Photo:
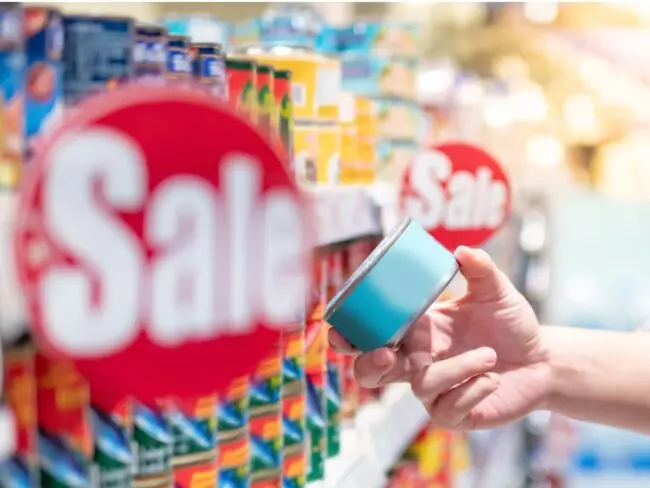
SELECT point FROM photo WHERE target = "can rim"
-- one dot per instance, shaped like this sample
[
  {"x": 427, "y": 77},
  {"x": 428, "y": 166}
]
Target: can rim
[{"x": 366, "y": 266}]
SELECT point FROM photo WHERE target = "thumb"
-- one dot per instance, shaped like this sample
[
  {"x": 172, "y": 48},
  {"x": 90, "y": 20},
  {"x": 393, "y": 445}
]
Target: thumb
[{"x": 485, "y": 282}]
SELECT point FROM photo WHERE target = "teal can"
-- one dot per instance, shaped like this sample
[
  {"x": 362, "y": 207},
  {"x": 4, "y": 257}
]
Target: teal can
[{"x": 392, "y": 288}]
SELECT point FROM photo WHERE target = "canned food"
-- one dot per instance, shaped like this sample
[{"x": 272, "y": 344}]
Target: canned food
[
  {"x": 234, "y": 435},
  {"x": 150, "y": 52},
  {"x": 12, "y": 89},
  {"x": 242, "y": 86},
  {"x": 315, "y": 369},
  {"x": 19, "y": 394},
  {"x": 284, "y": 107},
  {"x": 152, "y": 440},
  {"x": 392, "y": 289},
  {"x": 266, "y": 422},
  {"x": 265, "y": 101},
  {"x": 65, "y": 444},
  {"x": 179, "y": 66},
  {"x": 209, "y": 68},
  {"x": 194, "y": 429},
  {"x": 112, "y": 431},
  {"x": 293, "y": 407},
  {"x": 44, "y": 83},
  {"x": 97, "y": 54}
]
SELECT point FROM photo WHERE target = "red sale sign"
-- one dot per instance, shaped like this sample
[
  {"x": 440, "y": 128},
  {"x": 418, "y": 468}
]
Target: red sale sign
[
  {"x": 162, "y": 246},
  {"x": 457, "y": 192}
]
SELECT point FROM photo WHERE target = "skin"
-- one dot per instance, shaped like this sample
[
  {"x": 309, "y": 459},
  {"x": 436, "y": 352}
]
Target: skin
[{"x": 482, "y": 360}]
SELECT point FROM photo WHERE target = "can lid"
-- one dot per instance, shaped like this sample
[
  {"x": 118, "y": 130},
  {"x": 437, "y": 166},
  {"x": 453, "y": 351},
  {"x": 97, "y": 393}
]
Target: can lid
[
  {"x": 264, "y": 69},
  {"x": 176, "y": 38},
  {"x": 283, "y": 74},
  {"x": 240, "y": 63}
]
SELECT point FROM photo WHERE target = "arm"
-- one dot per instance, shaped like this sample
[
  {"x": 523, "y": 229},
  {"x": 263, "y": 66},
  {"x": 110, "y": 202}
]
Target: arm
[{"x": 600, "y": 376}]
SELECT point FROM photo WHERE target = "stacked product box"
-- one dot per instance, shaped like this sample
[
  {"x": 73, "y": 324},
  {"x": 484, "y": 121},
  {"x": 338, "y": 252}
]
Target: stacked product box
[{"x": 379, "y": 60}]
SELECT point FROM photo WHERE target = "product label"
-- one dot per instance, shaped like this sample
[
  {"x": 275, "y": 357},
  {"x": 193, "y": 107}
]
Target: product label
[
  {"x": 194, "y": 428},
  {"x": 333, "y": 396},
  {"x": 316, "y": 341},
  {"x": 242, "y": 90},
  {"x": 265, "y": 103},
  {"x": 44, "y": 46},
  {"x": 234, "y": 435},
  {"x": 150, "y": 55},
  {"x": 96, "y": 54},
  {"x": 12, "y": 89},
  {"x": 266, "y": 450},
  {"x": 202, "y": 475},
  {"x": 65, "y": 437},
  {"x": 112, "y": 431},
  {"x": 152, "y": 438}
]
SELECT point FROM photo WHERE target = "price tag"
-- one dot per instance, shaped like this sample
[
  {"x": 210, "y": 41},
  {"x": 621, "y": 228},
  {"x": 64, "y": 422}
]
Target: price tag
[
  {"x": 161, "y": 245},
  {"x": 459, "y": 193}
]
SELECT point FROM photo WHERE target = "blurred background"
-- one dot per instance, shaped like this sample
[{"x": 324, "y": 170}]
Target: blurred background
[{"x": 560, "y": 94}]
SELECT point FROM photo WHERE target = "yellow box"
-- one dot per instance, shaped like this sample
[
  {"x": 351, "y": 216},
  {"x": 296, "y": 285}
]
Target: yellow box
[
  {"x": 315, "y": 83},
  {"x": 349, "y": 161},
  {"x": 317, "y": 148}
]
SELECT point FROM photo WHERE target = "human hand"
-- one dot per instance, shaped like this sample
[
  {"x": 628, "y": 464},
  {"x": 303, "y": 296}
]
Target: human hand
[{"x": 477, "y": 361}]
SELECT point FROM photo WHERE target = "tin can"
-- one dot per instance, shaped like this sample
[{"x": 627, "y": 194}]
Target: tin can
[
  {"x": 12, "y": 89},
  {"x": 294, "y": 407},
  {"x": 179, "y": 66},
  {"x": 266, "y": 422},
  {"x": 333, "y": 390},
  {"x": 209, "y": 68},
  {"x": 315, "y": 83},
  {"x": 242, "y": 86},
  {"x": 394, "y": 287},
  {"x": 152, "y": 447},
  {"x": 194, "y": 427},
  {"x": 19, "y": 393},
  {"x": 284, "y": 107},
  {"x": 265, "y": 100},
  {"x": 315, "y": 369},
  {"x": 65, "y": 444},
  {"x": 150, "y": 52},
  {"x": 234, "y": 435},
  {"x": 112, "y": 432},
  {"x": 97, "y": 54},
  {"x": 44, "y": 82}
]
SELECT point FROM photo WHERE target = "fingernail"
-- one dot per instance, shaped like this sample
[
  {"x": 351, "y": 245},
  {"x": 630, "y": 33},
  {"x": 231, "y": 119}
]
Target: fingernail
[{"x": 381, "y": 357}]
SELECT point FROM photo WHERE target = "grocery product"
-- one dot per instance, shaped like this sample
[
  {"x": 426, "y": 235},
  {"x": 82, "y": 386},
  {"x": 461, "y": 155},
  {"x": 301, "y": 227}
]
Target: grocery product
[
  {"x": 315, "y": 83},
  {"x": 399, "y": 120},
  {"x": 266, "y": 112},
  {"x": 379, "y": 76},
  {"x": 383, "y": 37},
  {"x": 65, "y": 441},
  {"x": 317, "y": 149},
  {"x": 12, "y": 89},
  {"x": 242, "y": 85},
  {"x": 179, "y": 66},
  {"x": 150, "y": 52},
  {"x": 152, "y": 447},
  {"x": 294, "y": 407},
  {"x": 96, "y": 54},
  {"x": 19, "y": 392},
  {"x": 316, "y": 369},
  {"x": 44, "y": 79},
  {"x": 209, "y": 68},
  {"x": 193, "y": 425},
  {"x": 284, "y": 107},
  {"x": 394, "y": 156},
  {"x": 200, "y": 28},
  {"x": 266, "y": 422},
  {"x": 234, "y": 435},
  {"x": 112, "y": 433}
]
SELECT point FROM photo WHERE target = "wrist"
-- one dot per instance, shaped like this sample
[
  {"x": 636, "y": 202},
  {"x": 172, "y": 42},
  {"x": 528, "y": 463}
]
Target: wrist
[{"x": 562, "y": 370}]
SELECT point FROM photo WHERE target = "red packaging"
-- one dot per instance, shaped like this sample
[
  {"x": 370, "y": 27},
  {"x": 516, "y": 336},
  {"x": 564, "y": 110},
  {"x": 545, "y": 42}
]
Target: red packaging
[{"x": 242, "y": 86}]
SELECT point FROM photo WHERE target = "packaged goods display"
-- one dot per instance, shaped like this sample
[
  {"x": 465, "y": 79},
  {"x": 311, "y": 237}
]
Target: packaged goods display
[{"x": 277, "y": 426}]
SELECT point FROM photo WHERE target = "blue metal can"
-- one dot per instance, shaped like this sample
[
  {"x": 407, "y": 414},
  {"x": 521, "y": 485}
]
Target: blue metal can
[
  {"x": 97, "y": 54},
  {"x": 179, "y": 67},
  {"x": 392, "y": 288},
  {"x": 209, "y": 68},
  {"x": 150, "y": 52}
]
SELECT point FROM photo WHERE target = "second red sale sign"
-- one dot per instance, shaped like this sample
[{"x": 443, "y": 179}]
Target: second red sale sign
[
  {"x": 161, "y": 245},
  {"x": 458, "y": 192}
]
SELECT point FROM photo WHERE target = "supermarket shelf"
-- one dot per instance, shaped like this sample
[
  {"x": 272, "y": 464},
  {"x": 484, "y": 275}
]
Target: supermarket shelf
[
  {"x": 377, "y": 440},
  {"x": 348, "y": 212}
]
